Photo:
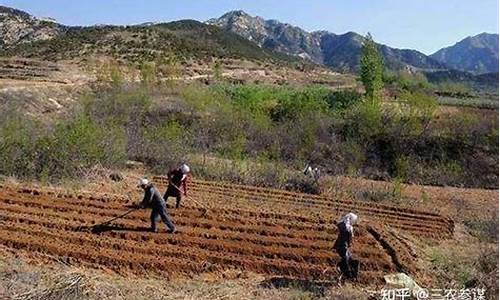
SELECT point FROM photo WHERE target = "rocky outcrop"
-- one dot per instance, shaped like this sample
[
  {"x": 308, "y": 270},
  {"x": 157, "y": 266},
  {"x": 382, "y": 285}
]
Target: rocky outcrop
[{"x": 20, "y": 27}]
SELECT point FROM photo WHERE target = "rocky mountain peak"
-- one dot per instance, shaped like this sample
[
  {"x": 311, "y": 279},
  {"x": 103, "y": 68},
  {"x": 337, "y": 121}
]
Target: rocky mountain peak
[
  {"x": 322, "y": 47},
  {"x": 235, "y": 18},
  {"x": 236, "y": 14},
  {"x": 238, "y": 21},
  {"x": 271, "y": 34}
]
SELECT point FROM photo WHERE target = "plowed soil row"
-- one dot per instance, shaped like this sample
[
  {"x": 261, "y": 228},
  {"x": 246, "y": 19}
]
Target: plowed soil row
[
  {"x": 323, "y": 210},
  {"x": 253, "y": 232},
  {"x": 228, "y": 216}
]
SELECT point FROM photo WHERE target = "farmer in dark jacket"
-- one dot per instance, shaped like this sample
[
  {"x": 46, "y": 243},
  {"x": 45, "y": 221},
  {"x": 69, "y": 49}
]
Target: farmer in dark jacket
[
  {"x": 153, "y": 199},
  {"x": 177, "y": 179},
  {"x": 348, "y": 266}
]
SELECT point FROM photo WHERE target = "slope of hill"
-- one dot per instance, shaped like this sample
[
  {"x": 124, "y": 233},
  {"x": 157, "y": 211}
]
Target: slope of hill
[
  {"x": 337, "y": 51},
  {"x": 477, "y": 54},
  {"x": 185, "y": 38},
  {"x": 27, "y": 36},
  {"x": 20, "y": 27}
]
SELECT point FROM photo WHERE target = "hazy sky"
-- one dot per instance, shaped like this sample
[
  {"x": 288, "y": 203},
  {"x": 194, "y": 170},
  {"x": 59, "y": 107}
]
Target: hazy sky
[{"x": 425, "y": 25}]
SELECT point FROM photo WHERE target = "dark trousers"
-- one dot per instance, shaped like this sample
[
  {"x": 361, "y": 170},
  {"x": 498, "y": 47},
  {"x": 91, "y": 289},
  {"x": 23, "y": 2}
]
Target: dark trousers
[
  {"x": 173, "y": 192},
  {"x": 160, "y": 210},
  {"x": 348, "y": 266}
]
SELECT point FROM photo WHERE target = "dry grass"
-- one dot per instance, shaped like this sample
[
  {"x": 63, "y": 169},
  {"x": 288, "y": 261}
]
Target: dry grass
[
  {"x": 21, "y": 280},
  {"x": 461, "y": 204},
  {"x": 466, "y": 264}
]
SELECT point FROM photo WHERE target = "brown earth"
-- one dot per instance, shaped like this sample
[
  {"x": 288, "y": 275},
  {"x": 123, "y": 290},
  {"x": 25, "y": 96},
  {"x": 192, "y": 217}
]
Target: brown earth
[{"x": 265, "y": 231}]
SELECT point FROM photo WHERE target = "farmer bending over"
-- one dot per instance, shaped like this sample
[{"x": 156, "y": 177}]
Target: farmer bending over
[
  {"x": 176, "y": 179},
  {"x": 153, "y": 199}
]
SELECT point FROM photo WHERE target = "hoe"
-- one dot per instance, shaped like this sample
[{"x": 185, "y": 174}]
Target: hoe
[
  {"x": 98, "y": 228},
  {"x": 204, "y": 210}
]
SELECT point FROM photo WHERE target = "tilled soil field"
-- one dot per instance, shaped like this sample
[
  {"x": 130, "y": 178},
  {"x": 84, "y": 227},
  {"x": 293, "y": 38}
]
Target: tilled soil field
[{"x": 265, "y": 231}]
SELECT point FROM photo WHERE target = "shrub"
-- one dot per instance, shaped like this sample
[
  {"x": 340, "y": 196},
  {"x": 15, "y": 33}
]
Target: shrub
[
  {"x": 217, "y": 70},
  {"x": 33, "y": 150},
  {"x": 485, "y": 229},
  {"x": 228, "y": 171},
  {"x": 19, "y": 137},
  {"x": 148, "y": 73},
  {"x": 122, "y": 106},
  {"x": 402, "y": 168},
  {"x": 363, "y": 122},
  {"x": 110, "y": 71},
  {"x": 163, "y": 145},
  {"x": 169, "y": 68},
  {"x": 343, "y": 100},
  {"x": 293, "y": 104},
  {"x": 80, "y": 143},
  {"x": 459, "y": 267},
  {"x": 406, "y": 81},
  {"x": 339, "y": 131},
  {"x": 454, "y": 89},
  {"x": 373, "y": 195}
]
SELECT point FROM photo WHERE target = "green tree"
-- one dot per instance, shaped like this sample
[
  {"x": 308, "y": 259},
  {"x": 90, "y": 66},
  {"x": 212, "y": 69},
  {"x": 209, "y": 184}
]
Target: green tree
[
  {"x": 371, "y": 69},
  {"x": 148, "y": 73},
  {"x": 217, "y": 70}
]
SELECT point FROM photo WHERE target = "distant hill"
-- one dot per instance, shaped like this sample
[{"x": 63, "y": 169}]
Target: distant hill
[
  {"x": 486, "y": 82},
  {"x": 27, "y": 36},
  {"x": 341, "y": 52},
  {"x": 17, "y": 27},
  {"x": 477, "y": 54}
]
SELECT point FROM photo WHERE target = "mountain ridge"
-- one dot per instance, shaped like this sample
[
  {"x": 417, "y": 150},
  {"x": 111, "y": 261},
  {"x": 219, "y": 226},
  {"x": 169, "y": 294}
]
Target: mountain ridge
[
  {"x": 477, "y": 54},
  {"x": 339, "y": 51},
  {"x": 254, "y": 37},
  {"x": 24, "y": 35}
]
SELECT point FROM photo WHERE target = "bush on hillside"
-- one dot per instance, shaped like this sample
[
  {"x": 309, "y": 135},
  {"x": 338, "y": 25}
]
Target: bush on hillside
[
  {"x": 340, "y": 132},
  {"x": 34, "y": 150}
]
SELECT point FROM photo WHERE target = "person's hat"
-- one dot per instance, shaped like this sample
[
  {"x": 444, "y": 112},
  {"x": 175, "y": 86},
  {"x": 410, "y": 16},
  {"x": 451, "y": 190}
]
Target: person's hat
[
  {"x": 185, "y": 169},
  {"x": 351, "y": 217},
  {"x": 143, "y": 182}
]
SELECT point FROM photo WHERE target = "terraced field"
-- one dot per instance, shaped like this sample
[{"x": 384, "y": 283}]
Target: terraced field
[
  {"x": 265, "y": 231},
  {"x": 27, "y": 69}
]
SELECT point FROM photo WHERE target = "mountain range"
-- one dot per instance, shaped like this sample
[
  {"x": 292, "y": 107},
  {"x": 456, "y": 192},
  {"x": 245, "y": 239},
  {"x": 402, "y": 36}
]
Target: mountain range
[
  {"x": 477, "y": 54},
  {"x": 235, "y": 34},
  {"x": 341, "y": 52}
]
